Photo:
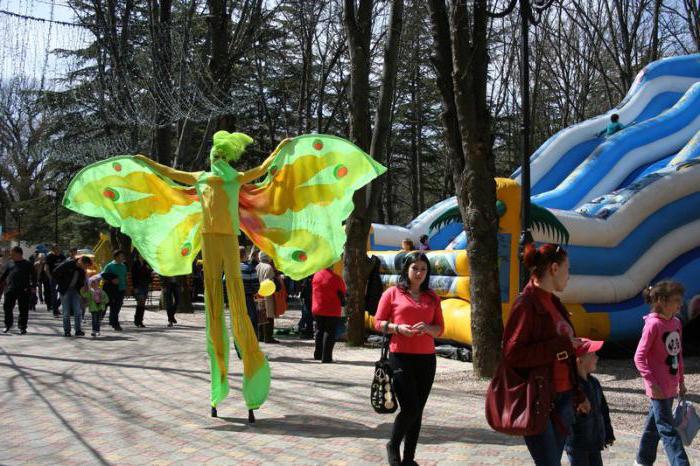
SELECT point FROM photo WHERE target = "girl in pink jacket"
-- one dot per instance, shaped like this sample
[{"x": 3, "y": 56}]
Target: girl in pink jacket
[{"x": 659, "y": 360}]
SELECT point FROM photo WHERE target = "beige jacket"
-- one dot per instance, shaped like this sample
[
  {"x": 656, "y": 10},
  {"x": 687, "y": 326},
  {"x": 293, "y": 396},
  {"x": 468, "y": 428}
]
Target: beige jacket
[{"x": 267, "y": 272}]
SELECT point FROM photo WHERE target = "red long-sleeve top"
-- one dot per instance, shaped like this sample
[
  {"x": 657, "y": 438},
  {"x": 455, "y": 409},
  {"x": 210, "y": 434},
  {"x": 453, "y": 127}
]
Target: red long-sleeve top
[{"x": 398, "y": 307}]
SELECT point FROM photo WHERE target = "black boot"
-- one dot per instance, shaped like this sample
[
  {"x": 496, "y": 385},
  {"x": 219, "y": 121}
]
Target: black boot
[
  {"x": 393, "y": 454},
  {"x": 138, "y": 316},
  {"x": 269, "y": 331}
]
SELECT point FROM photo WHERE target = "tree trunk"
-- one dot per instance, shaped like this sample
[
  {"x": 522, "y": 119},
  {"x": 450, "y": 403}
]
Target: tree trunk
[
  {"x": 461, "y": 61},
  {"x": 654, "y": 48},
  {"x": 692, "y": 9},
  {"x": 358, "y": 27}
]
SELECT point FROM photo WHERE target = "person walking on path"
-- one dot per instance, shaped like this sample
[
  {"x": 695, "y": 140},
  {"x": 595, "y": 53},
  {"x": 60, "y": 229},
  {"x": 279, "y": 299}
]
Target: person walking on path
[
  {"x": 266, "y": 321},
  {"x": 20, "y": 282},
  {"x": 328, "y": 296},
  {"x": 412, "y": 313},
  {"x": 96, "y": 300},
  {"x": 305, "y": 325},
  {"x": 115, "y": 286},
  {"x": 250, "y": 286},
  {"x": 659, "y": 360},
  {"x": 375, "y": 287},
  {"x": 539, "y": 336},
  {"x": 70, "y": 277},
  {"x": 42, "y": 280},
  {"x": 171, "y": 297},
  {"x": 53, "y": 259},
  {"x": 592, "y": 432},
  {"x": 141, "y": 277}
]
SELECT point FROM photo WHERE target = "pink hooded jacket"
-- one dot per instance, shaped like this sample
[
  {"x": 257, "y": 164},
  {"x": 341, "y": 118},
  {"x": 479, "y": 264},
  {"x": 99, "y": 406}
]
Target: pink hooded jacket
[{"x": 659, "y": 356}]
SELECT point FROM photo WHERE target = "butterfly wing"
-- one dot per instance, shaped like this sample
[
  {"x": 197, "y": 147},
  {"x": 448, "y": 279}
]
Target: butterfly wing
[
  {"x": 296, "y": 213},
  {"x": 162, "y": 218}
]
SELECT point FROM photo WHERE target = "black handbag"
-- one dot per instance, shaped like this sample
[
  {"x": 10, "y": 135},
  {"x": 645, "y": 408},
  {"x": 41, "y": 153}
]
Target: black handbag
[{"x": 382, "y": 394}]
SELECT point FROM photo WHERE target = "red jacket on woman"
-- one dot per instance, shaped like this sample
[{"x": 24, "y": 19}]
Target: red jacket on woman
[
  {"x": 326, "y": 290},
  {"x": 530, "y": 338}
]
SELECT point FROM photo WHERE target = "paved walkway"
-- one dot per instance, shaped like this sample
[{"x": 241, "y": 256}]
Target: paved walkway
[{"x": 141, "y": 397}]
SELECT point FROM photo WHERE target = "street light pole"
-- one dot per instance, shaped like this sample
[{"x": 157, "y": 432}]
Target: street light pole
[
  {"x": 18, "y": 212},
  {"x": 55, "y": 218},
  {"x": 525, "y": 234},
  {"x": 526, "y": 17}
]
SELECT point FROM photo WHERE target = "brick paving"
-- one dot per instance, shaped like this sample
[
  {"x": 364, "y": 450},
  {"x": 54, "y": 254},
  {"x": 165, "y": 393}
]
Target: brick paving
[{"x": 141, "y": 397}]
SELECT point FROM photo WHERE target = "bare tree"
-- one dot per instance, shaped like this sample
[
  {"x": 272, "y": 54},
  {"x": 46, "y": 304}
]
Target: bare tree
[{"x": 461, "y": 60}]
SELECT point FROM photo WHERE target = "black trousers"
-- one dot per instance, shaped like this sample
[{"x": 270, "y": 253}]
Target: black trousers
[
  {"x": 21, "y": 298},
  {"x": 171, "y": 301},
  {"x": 413, "y": 379},
  {"x": 326, "y": 327},
  {"x": 116, "y": 299},
  {"x": 46, "y": 293}
]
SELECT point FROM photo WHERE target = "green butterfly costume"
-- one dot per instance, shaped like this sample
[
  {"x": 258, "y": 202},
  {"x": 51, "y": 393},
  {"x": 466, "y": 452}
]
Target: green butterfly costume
[{"x": 294, "y": 215}]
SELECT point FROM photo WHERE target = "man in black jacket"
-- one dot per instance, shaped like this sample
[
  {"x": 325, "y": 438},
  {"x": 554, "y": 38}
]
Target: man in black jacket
[
  {"x": 70, "y": 277},
  {"x": 53, "y": 259},
  {"x": 20, "y": 282}
]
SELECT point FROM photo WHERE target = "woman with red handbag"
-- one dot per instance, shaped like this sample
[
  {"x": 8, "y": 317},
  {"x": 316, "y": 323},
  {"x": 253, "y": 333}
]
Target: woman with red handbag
[
  {"x": 539, "y": 340},
  {"x": 410, "y": 311}
]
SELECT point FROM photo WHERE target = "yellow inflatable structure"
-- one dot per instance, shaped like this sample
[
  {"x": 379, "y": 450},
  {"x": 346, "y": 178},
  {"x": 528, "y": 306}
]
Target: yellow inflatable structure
[{"x": 450, "y": 276}]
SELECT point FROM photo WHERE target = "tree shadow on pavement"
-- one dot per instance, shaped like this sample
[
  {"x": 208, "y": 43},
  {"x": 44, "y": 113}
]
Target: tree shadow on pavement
[
  {"x": 310, "y": 360},
  {"x": 308, "y": 426}
]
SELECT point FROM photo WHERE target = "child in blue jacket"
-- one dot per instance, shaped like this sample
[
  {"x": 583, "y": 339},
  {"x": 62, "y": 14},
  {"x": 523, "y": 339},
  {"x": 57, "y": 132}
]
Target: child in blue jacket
[{"x": 592, "y": 432}]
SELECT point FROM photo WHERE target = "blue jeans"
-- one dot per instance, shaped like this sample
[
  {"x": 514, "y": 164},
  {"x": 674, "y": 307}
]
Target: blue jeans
[
  {"x": 252, "y": 310},
  {"x": 70, "y": 300},
  {"x": 546, "y": 448},
  {"x": 306, "y": 323},
  {"x": 585, "y": 458},
  {"x": 659, "y": 425}
]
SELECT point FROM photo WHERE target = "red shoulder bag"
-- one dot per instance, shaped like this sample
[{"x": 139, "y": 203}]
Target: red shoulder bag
[{"x": 519, "y": 406}]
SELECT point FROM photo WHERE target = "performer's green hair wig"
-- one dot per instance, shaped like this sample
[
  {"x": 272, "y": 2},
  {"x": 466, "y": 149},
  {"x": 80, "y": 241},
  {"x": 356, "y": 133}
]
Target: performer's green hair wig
[{"x": 229, "y": 146}]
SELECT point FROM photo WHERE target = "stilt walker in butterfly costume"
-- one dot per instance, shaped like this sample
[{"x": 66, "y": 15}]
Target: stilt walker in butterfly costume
[{"x": 294, "y": 215}]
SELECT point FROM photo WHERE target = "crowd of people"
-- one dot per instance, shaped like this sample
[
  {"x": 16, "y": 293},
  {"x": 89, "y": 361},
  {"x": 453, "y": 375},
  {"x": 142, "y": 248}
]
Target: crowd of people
[
  {"x": 70, "y": 286},
  {"x": 539, "y": 338}
]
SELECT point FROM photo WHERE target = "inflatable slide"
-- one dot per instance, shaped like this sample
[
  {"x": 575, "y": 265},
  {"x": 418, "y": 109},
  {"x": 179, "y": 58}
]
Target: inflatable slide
[{"x": 630, "y": 204}]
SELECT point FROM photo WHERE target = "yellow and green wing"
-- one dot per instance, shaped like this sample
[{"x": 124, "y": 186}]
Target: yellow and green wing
[
  {"x": 296, "y": 213},
  {"x": 162, "y": 218}
]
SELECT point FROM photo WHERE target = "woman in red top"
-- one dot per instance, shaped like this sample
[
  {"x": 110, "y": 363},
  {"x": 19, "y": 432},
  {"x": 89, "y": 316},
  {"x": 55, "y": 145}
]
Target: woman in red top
[
  {"x": 411, "y": 312},
  {"x": 327, "y": 297},
  {"x": 539, "y": 335}
]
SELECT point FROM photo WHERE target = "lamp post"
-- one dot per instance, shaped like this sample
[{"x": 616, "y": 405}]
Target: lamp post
[
  {"x": 55, "y": 218},
  {"x": 18, "y": 212},
  {"x": 528, "y": 10},
  {"x": 56, "y": 200}
]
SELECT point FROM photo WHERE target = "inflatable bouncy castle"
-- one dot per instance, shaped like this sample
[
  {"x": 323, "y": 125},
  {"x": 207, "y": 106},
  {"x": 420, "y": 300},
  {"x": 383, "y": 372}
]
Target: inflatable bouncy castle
[{"x": 629, "y": 204}]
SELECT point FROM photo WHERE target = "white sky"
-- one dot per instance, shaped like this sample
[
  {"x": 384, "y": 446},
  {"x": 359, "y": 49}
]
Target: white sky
[{"x": 23, "y": 43}]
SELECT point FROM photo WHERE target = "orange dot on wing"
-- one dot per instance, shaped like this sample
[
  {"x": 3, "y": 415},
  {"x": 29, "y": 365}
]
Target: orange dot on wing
[{"x": 109, "y": 193}]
